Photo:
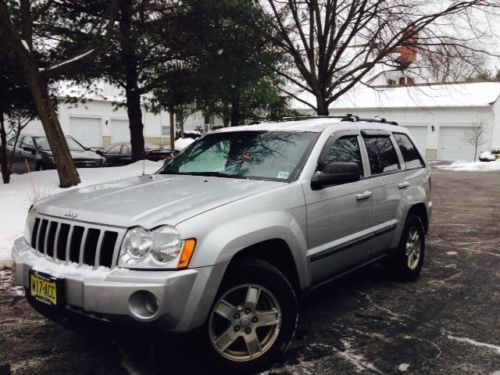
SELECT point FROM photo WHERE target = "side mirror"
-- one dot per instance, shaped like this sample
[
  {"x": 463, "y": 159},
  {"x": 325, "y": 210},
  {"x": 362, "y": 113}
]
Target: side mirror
[
  {"x": 336, "y": 173},
  {"x": 98, "y": 152}
]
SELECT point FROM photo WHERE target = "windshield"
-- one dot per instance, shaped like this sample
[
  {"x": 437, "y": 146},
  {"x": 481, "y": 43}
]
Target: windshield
[
  {"x": 73, "y": 145},
  {"x": 250, "y": 154}
]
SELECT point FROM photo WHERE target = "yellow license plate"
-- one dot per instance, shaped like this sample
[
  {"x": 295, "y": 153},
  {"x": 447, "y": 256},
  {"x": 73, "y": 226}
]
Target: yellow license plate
[{"x": 43, "y": 289}]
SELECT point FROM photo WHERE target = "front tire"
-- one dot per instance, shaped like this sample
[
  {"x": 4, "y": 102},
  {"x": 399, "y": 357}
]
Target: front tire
[
  {"x": 253, "y": 319},
  {"x": 407, "y": 263}
]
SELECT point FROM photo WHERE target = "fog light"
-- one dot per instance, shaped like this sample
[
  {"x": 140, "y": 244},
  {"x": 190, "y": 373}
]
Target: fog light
[
  {"x": 143, "y": 304},
  {"x": 151, "y": 303}
]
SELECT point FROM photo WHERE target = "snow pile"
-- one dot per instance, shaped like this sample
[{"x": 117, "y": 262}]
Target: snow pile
[
  {"x": 182, "y": 143},
  {"x": 16, "y": 197},
  {"x": 62, "y": 269},
  {"x": 472, "y": 167}
]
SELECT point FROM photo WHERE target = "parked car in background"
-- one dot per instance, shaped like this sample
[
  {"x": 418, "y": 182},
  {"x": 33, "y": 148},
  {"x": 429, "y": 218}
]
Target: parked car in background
[
  {"x": 182, "y": 143},
  {"x": 35, "y": 150},
  {"x": 489, "y": 156},
  {"x": 121, "y": 153}
]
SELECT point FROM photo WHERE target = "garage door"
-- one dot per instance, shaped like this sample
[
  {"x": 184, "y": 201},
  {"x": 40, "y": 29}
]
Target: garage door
[
  {"x": 419, "y": 136},
  {"x": 120, "y": 131},
  {"x": 86, "y": 130},
  {"x": 452, "y": 145}
]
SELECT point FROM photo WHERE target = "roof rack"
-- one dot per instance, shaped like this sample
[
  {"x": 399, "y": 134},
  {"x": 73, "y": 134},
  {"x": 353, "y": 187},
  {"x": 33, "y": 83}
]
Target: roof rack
[{"x": 348, "y": 117}]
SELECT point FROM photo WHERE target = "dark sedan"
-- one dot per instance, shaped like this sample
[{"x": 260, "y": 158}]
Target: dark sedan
[
  {"x": 35, "y": 151},
  {"x": 121, "y": 153}
]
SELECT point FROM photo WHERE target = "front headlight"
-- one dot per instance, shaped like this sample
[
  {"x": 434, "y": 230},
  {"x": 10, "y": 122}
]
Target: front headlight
[
  {"x": 28, "y": 226},
  {"x": 161, "y": 247},
  {"x": 167, "y": 244}
]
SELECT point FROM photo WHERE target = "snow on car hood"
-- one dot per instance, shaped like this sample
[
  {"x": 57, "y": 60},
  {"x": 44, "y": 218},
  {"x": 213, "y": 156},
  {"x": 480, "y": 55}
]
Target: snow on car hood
[{"x": 150, "y": 200}]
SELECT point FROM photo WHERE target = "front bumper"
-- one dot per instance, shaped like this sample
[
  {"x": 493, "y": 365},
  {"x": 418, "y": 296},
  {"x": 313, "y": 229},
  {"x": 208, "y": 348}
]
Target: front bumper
[{"x": 184, "y": 297}]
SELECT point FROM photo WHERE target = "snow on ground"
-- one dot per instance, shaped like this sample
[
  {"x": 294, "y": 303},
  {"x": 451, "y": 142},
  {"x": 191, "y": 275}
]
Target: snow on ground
[
  {"x": 479, "y": 166},
  {"x": 23, "y": 190}
]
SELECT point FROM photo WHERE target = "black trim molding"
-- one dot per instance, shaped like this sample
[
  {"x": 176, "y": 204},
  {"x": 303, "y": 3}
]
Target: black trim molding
[{"x": 349, "y": 244}]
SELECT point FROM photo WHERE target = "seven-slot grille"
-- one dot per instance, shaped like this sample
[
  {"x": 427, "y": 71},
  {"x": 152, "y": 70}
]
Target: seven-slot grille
[{"x": 74, "y": 243}]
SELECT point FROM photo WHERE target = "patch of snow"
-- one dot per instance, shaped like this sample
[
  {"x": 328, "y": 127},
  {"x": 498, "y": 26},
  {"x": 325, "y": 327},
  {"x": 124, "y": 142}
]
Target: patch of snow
[
  {"x": 182, "y": 143},
  {"x": 357, "y": 360},
  {"x": 80, "y": 56},
  {"x": 475, "y": 94},
  {"x": 403, "y": 367},
  {"x": 466, "y": 340},
  {"x": 25, "y": 45},
  {"x": 451, "y": 253},
  {"x": 62, "y": 269},
  {"x": 17, "y": 196},
  {"x": 472, "y": 166}
]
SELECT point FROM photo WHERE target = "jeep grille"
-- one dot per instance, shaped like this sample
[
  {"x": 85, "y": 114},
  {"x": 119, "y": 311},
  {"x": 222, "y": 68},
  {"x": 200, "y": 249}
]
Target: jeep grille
[{"x": 75, "y": 242}]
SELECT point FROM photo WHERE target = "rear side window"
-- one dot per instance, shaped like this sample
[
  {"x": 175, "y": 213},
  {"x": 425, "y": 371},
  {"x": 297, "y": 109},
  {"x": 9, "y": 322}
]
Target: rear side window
[
  {"x": 345, "y": 149},
  {"x": 382, "y": 154},
  {"x": 410, "y": 153}
]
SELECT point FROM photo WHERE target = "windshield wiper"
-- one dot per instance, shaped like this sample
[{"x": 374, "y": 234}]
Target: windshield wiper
[{"x": 207, "y": 173}]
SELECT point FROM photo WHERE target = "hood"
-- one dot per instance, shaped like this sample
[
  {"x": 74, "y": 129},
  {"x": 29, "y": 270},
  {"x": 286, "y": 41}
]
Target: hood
[
  {"x": 80, "y": 155},
  {"x": 150, "y": 200}
]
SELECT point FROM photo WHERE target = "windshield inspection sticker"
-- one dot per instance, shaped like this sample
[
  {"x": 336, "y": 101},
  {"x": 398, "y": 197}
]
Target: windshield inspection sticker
[{"x": 283, "y": 174}]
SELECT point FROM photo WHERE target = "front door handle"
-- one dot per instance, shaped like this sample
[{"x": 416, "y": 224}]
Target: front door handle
[
  {"x": 367, "y": 194},
  {"x": 403, "y": 185}
]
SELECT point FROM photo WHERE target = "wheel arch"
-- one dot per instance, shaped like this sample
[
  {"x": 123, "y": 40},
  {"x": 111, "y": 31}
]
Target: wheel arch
[
  {"x": 420, "y": 210},
  {"x": 280, "y": 257}
]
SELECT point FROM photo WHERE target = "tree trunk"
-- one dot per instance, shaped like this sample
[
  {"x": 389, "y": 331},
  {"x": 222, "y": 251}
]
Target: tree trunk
[
  {"x": 3, "y": 157},
  {"x": 181, "y": 123},
  {"x": 68, "y": 175},
  {"x": 235, "y": 111},
  {"x": 321, "y": 106},
  {"x": 129, "y": 61},
  {"x": 134, "y": 113},
  {"x": 172, "y": 129}
]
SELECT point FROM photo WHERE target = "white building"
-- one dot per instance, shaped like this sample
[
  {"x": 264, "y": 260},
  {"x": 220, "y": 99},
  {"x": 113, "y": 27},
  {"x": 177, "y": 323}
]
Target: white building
[
  {"x": 440, "y": 116},
  {"x": 98, "y": 121}
]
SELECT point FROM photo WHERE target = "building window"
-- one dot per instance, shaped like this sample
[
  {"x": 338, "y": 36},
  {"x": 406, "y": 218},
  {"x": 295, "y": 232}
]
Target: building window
[{"x": 165, "y": 131}]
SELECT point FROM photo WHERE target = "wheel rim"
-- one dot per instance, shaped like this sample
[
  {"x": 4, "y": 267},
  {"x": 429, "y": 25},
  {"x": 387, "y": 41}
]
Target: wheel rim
[
  {"x": 413, "y": 248},
  {"x": 245, "y": 322}
]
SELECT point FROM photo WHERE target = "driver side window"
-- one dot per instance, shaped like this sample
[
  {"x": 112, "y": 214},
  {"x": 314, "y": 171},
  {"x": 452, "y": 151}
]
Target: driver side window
[{"x": 345, "y": 149}]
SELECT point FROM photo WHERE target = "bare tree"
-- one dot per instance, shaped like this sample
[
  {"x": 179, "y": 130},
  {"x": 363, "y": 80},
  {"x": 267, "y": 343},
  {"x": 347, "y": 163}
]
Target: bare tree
[
  {"x": 38, "y": 77},
  {"x": 477, "y": 137},
  {"x": 452, "y": 63},
  {"x": 333, "y": 44}
]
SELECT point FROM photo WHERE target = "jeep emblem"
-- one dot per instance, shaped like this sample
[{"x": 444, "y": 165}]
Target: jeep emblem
[{"x": 71, "y": 214}]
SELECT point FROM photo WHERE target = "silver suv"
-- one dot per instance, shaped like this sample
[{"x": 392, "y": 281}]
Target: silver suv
[{"x": 226, "y": 237}]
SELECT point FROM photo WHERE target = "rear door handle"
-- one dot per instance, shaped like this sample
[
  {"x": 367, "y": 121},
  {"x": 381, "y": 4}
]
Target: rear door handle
[
  {"x": 403, "y": 185},
  {"x": 367, "y": 194}
]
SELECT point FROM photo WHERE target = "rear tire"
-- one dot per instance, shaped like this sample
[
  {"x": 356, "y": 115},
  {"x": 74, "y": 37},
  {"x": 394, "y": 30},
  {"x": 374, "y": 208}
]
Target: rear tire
[
  {"x": 253, "y": 319},
  {"x": 407, "y": 263}
]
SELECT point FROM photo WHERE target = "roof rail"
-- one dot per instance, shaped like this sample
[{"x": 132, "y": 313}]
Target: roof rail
[{"x": 348, "y": 117}]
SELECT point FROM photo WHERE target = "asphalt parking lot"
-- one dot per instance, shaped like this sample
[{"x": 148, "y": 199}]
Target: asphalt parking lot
[{"x": 446, "y": 322}]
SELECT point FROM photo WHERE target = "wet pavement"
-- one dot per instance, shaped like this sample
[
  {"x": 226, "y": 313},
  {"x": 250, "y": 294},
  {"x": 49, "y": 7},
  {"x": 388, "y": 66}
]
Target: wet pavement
[{"x": 446, "y": 322}]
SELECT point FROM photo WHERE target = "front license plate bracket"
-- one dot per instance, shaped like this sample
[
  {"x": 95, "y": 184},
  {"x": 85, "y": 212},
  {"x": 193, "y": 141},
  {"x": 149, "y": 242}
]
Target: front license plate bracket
[{"x": 46, "y": 288}]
